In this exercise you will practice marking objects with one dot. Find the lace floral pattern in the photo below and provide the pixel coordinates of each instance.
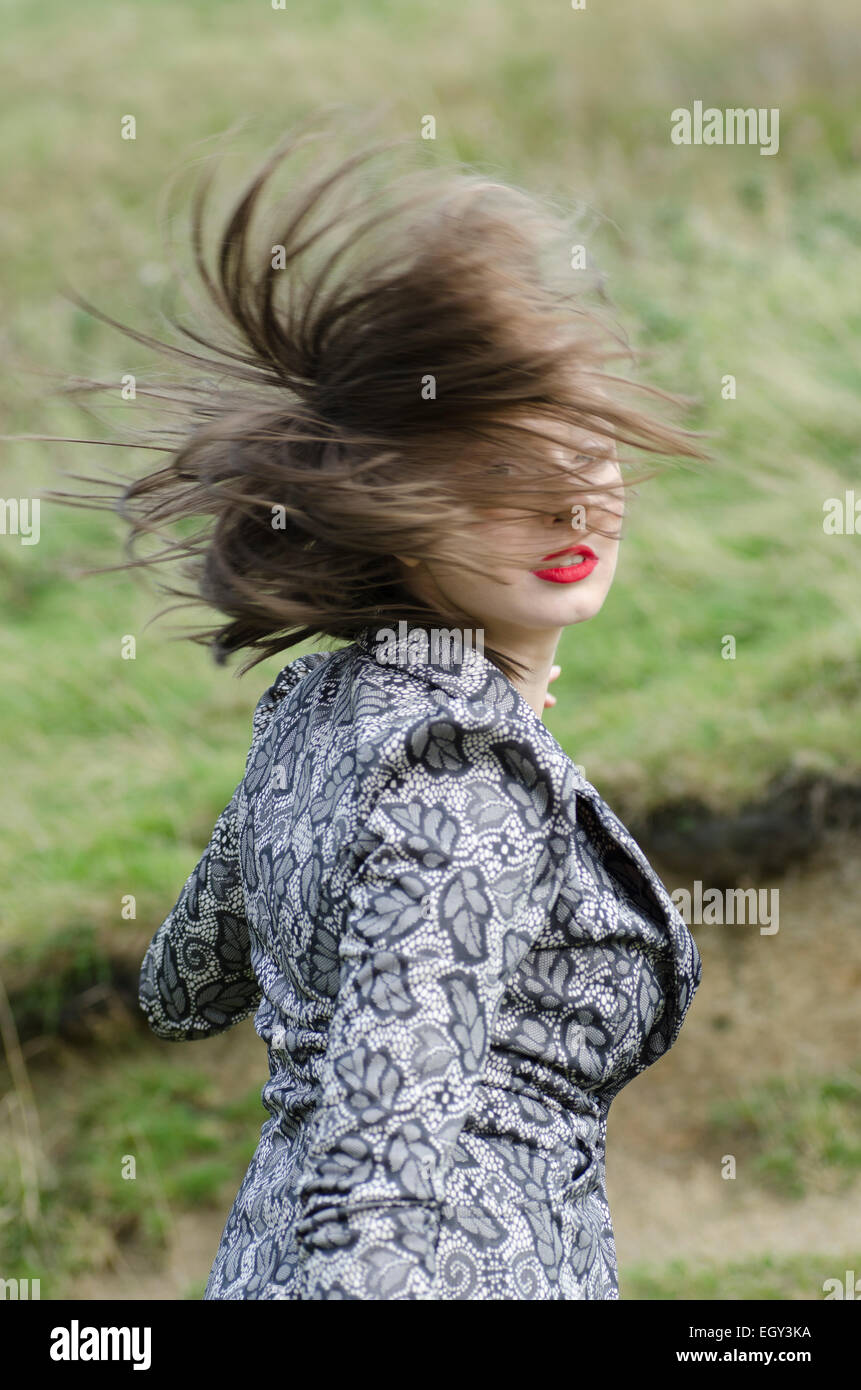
(457, 956)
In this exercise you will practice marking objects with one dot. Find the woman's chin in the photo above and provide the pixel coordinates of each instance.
(564, 608)
(544, 616)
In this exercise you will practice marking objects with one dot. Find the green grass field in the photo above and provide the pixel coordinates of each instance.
(719, 261)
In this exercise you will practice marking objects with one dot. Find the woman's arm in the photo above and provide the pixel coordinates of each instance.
(196, 978)
(457, 866)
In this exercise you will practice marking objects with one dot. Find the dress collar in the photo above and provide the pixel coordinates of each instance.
(466, 673)
(456, 666)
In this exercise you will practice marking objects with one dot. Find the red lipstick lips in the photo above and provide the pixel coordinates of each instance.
(570, 573)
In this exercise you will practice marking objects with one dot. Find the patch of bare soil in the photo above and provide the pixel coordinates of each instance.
(768, 1005)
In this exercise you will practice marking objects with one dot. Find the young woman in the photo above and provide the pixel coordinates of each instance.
(456, 953)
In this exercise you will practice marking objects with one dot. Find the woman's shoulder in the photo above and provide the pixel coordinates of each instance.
(433, 724)
(287, 680)
(439, 728)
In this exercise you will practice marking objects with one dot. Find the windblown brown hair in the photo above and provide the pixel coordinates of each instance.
(311, 447)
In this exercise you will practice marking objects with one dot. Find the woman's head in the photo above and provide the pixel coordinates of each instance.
(537, 573)
(403, 409)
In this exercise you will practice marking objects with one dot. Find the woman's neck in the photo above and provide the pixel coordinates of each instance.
(536, 651)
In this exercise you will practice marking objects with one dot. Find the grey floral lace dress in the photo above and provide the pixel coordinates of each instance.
(457, 956)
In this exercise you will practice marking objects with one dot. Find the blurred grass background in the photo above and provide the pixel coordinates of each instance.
(719, 260)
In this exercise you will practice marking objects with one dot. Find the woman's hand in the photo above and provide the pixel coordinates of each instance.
(549, 700)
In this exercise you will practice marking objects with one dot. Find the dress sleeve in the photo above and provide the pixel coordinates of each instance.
(453, 877)
(196, 978)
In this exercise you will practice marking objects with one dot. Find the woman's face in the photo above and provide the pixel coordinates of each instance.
(556, 570)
